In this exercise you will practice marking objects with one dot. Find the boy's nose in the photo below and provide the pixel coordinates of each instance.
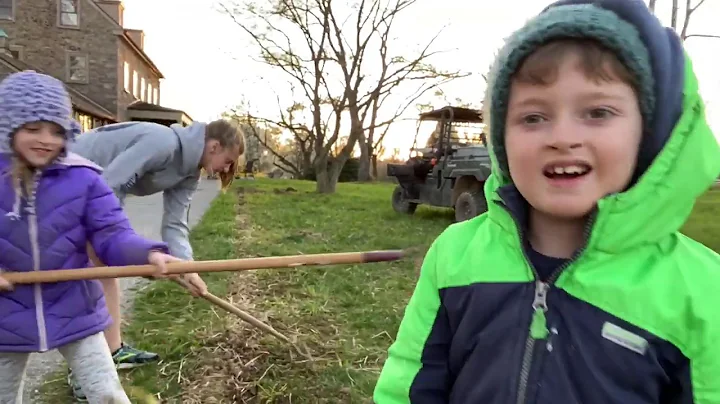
(564, 135)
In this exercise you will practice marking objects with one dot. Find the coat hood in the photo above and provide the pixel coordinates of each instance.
(679, 155)
(192, 144)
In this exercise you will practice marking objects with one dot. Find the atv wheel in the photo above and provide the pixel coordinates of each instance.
(400, 203)
(469, 204)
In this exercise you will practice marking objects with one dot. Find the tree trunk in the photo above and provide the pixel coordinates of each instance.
(364, 161)
(307, 165)
(326, 178)
(651, 6)
(374, 166)
(323, 182)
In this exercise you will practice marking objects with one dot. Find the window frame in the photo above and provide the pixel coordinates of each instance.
(136, 85)
(20, 51)
(60, 14)
(68, 67)
(11, 17)
(127, 83)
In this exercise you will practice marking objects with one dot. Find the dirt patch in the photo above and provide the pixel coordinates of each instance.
(284, 190)
(235, 360)
(249, 190)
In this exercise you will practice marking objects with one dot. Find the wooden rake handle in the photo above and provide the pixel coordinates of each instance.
(243, 264)
(227, 306)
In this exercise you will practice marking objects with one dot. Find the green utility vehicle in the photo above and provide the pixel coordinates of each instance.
(450, 170)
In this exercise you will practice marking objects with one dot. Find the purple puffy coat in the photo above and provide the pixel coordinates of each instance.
(73, 206)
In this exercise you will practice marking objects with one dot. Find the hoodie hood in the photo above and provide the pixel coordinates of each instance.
(192, 145)
(679, 155)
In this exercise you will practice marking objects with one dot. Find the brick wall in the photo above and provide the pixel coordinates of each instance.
(136, 64)
(46, 45)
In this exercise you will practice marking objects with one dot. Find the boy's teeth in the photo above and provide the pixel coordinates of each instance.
(572, 169)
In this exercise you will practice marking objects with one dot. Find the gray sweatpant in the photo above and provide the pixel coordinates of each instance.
(91, 362)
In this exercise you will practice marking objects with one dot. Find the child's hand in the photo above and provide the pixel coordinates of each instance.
(159, 259)
(5, 285)
(196, 285)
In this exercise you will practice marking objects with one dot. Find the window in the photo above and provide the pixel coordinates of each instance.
(7, 9)
(143, 87)
(69, 16)
(136, 84)
(77, 68)
(126, 77)
(85, 120)
(17, 52)
(156, 99)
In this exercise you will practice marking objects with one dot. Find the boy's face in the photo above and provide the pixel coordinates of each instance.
(572, 142)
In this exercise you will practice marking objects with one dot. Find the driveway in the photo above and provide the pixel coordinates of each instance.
(145, 215)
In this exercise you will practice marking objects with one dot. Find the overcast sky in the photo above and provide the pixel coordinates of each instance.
(205, 57)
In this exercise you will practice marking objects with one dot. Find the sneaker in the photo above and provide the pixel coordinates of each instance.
(128, 357)
(75, 386)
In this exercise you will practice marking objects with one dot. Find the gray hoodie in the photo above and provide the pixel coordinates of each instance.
(143, 158)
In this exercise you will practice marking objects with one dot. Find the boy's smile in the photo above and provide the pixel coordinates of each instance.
(573, 140)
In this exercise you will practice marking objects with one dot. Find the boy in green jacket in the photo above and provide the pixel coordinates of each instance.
(576, 286)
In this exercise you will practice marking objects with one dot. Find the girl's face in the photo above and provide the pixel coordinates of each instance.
(39, 143)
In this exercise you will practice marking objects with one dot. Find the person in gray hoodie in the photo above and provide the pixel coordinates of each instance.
(144, 158)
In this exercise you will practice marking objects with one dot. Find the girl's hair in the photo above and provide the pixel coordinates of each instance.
(229, 136)
(22, 175)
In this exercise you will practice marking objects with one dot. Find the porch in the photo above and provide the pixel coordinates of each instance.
(146, 112)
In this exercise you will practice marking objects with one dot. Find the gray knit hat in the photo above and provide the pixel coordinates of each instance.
(29, 96)
(557, 22)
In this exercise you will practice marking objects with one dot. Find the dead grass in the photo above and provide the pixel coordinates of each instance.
(344, 317)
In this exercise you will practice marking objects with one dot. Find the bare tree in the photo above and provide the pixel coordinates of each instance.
(373, 23)
(689, 9)
(309, 41)
(296, 159)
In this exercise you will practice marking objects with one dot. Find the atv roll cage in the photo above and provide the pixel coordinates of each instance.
(450, 170)
(451, 122)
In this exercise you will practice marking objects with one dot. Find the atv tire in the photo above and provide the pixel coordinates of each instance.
(470, 204)
(400, 203)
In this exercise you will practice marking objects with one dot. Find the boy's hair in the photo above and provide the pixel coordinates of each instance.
(597, 62)
(552, 30)
(229, 136)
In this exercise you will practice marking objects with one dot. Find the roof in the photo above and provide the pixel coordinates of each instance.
(124, 35)
(146, 106)
(141, 52)
(456, 114)
(79, 100)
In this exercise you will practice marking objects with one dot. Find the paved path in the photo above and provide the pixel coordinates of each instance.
(145, 214)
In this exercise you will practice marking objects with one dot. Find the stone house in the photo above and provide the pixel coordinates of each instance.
(84, 43)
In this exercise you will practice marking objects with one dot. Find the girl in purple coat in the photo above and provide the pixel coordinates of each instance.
(52, 204)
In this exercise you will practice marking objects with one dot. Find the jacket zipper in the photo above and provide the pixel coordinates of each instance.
(37, 288)
(538, 325)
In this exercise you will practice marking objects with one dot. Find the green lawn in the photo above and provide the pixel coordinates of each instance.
(345, 315)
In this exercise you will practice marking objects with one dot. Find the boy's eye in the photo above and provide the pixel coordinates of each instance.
(532, 119)
(599, 113)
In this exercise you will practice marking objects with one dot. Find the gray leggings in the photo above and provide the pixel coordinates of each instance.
(91, 362)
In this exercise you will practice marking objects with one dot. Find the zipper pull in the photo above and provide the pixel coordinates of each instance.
(538, 326)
